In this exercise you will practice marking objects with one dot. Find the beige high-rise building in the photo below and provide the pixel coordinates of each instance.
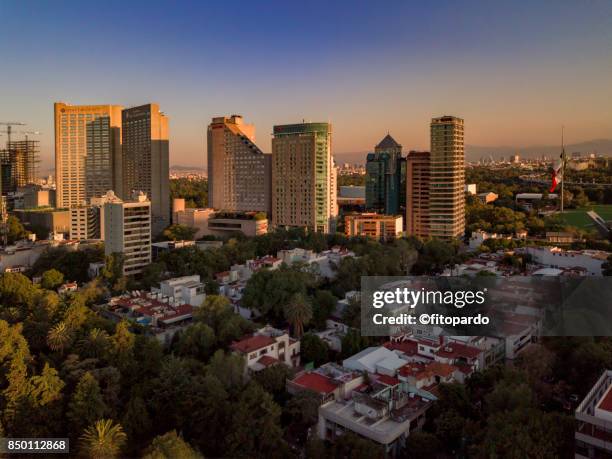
(127, 230)
(146, 160)
(447, 178)
(303, 177)
(87, 151)
(417, 194)
(238, 171)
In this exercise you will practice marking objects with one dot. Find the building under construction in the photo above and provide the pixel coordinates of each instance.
(19, 164)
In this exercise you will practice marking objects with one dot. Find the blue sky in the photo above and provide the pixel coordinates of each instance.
(515, 71)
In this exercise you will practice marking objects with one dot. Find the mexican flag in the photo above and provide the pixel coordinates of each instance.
(557, 172)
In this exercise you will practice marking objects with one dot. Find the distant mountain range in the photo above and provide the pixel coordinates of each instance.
(178, 167)
(475, 152)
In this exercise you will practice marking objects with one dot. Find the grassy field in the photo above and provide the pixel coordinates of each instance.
(579, 218)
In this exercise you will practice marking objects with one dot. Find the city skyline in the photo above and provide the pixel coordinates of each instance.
(516, 72)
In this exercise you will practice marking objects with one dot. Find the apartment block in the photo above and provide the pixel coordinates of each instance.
(145, 160)
(594, 421)
(417, 193)
(303, 177)
(447, 178)
(127, 230)
(87, 151)
(239, 173)
(87, 222)
(376, 226)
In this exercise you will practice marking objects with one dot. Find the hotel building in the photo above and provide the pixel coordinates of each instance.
(87, 151)
(447, 178)
(303, 177)
(145, 160)
(417, 193)
(238, 171)
(127, 230)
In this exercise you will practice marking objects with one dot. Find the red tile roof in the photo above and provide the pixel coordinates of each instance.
(316, 382)
(456, 350)
(388, 380)
(267, 361)
(252, 343)
(408, 347)
(606, 402)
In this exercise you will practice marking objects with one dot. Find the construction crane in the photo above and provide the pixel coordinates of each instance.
(9, 127)
(3, 212)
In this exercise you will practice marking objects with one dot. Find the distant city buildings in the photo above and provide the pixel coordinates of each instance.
(385, 178)
(303, 177)
(447, 178)
(127, 231)
(239, 173)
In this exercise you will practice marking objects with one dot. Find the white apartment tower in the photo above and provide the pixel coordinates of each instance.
(127, 230)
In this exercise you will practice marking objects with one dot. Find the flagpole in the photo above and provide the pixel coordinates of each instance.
(562, 167)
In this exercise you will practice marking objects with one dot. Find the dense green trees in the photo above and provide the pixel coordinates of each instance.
(73, 264)
(179, 233)
(195, 192)
(313, 349)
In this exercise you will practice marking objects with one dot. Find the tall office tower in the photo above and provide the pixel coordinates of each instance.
(303, 177)
(238, 171)
(385, 178)
(87, 151)
(417, 194)
(127, 230)
(447, 178)
(145, 160)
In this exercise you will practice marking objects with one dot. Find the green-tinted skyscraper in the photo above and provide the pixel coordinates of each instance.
(386, 178)
(303, 177)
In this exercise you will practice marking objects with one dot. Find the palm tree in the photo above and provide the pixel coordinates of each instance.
(298, 313)
(59, 337)
(95, 344)
(103, 440)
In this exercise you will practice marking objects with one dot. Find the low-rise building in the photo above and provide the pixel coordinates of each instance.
(376, 226)
(268, 346)
(554, 257)
(594, 421)
(160, 316)
(183, 290)
(209, 222)
(487, 197)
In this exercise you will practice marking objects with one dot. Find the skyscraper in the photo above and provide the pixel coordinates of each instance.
(127, 231)
(239, 173)
(146, 160)
(303, 177)
(417, 194)
(447, 178)
(385, 178)
(87, 151)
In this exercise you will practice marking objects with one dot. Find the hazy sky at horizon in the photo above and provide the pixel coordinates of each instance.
(515, 71)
